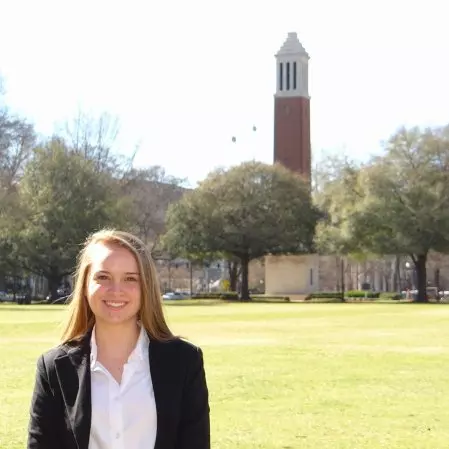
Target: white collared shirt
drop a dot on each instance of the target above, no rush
(123, 415)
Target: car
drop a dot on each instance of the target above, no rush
(175, 295)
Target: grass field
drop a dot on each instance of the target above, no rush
(283, 376)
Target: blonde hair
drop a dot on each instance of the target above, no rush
(80, 316)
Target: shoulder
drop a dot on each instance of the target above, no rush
(48, 357)
(182, 349)
(46, 361)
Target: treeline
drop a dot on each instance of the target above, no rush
(396, 204)
(54, 191)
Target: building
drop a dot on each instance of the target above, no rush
(303, 274)
(292, 148)
(292, 108)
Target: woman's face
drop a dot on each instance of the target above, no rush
(113, 286)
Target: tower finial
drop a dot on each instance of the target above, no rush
(292, 68)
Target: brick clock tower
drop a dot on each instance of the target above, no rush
(292, 108)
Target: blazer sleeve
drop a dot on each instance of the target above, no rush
(194, 426)
(41, 431)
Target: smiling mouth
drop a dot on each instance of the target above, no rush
(115, 304)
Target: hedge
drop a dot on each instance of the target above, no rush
(216, 295)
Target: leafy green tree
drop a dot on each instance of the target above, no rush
(17, 140)
(247, 212)
(62, 199)
(334, 194)
(398, 203)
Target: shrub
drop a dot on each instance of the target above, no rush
(271, 298)
(391, 295)
(323, 295)
(216, 295)
(362, 294)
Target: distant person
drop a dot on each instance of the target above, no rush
(120, 378)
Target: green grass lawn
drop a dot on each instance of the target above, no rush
(283, 376)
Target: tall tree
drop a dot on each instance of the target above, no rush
(17, 139)
(63, 198)
(247, 211)
(95, 138)
(399, 202)
(151, 190)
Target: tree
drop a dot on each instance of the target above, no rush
(398, 204)
(17, 139)
(335, 187)
(62, 198)
(247, 211)
(234, 272)
(94, 138)
(151, 191)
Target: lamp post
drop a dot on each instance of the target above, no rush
(407, 268)
(410, 276)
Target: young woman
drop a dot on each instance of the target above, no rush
(120, 379)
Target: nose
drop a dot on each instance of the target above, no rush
(115, 287)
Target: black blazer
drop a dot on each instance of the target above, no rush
(60, 415)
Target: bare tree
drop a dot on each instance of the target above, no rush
(95, 138)
(151, 191)
(17, 140)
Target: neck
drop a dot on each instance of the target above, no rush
(119, 340)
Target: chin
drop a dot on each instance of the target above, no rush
(115, 319)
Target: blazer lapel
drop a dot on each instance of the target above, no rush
(162, 376)
(73, 371)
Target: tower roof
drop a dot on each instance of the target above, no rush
(292, 46)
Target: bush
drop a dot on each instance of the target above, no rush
(324, 300)
(355, 294)
(324, 295)
(216, 295)
(271, 298)
(362, 294)
(391, 295)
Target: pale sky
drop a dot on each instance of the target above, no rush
(185, 76)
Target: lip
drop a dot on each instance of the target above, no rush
(115, 305)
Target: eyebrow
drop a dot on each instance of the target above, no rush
(128, 272)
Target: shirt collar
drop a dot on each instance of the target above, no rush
(139, 353)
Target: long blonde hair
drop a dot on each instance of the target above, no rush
(80, 316)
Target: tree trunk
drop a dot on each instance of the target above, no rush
(54, 281)
(397, 274)
(338, 276)
(421, 275)
(233, 267)
(436, 277)
(244, 295)
(342, 274)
